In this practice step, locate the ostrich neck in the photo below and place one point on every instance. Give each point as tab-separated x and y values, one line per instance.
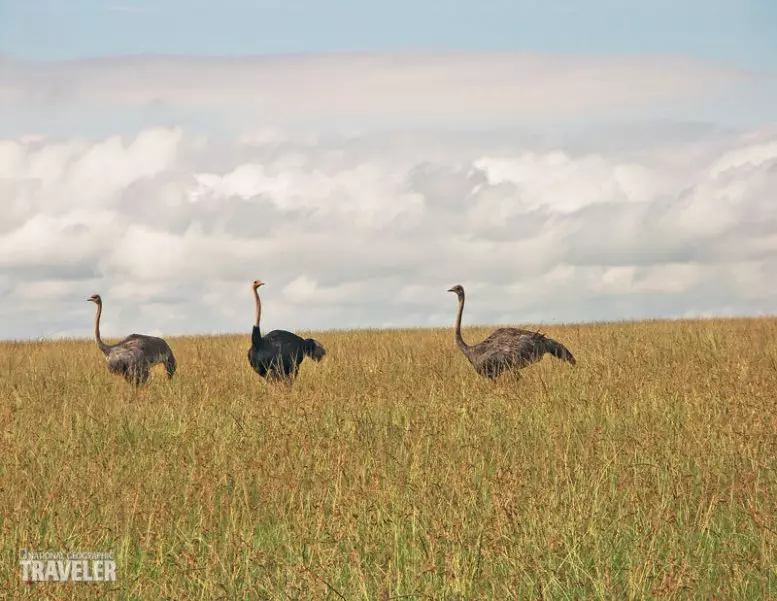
459	340
101	345
258	307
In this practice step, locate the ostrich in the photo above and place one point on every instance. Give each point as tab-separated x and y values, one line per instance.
134	356
277	356
506	348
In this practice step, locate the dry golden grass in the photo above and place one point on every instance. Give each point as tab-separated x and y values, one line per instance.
391	470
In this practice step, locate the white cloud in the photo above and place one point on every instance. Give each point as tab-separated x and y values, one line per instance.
304	290
362	193
366	229
668	278
418	88
110	166
45	241
44	289
752	155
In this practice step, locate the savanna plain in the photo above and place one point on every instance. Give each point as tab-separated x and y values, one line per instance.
391	470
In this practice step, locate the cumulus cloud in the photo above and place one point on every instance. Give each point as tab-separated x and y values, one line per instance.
361	187
371	230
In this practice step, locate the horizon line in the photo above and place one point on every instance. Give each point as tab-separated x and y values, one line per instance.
526	325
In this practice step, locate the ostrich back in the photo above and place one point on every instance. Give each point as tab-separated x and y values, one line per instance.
137	352
277	352
287	343
291	345
511	348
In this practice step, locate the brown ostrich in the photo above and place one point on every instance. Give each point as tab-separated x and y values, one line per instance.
133	357
506	349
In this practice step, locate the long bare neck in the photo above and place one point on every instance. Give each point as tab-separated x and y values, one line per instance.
459	340
100	344
258	307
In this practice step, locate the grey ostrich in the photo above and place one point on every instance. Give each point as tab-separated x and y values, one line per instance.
277	356
133	357
506	349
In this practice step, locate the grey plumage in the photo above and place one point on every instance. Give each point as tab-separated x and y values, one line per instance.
133	357
278	355
506	348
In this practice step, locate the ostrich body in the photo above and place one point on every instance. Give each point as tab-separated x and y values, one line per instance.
506	349
277	356
133	357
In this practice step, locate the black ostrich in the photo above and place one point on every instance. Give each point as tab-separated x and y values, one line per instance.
277	356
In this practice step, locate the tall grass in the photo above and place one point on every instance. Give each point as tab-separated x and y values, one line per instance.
391	470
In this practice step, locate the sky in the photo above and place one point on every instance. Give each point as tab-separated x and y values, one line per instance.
564	161
729	31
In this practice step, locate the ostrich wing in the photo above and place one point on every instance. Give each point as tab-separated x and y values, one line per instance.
141	349
510	346
278	344
286	344
123	359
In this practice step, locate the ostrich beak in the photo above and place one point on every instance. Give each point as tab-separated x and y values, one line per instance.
451	290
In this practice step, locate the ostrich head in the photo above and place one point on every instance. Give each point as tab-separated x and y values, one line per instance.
95	298
256	283
458	290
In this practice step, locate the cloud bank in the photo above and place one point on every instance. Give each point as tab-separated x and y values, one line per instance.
369	90
370	229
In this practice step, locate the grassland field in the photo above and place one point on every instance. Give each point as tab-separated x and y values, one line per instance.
392	471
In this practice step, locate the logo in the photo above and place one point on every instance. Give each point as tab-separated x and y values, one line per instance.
56	566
